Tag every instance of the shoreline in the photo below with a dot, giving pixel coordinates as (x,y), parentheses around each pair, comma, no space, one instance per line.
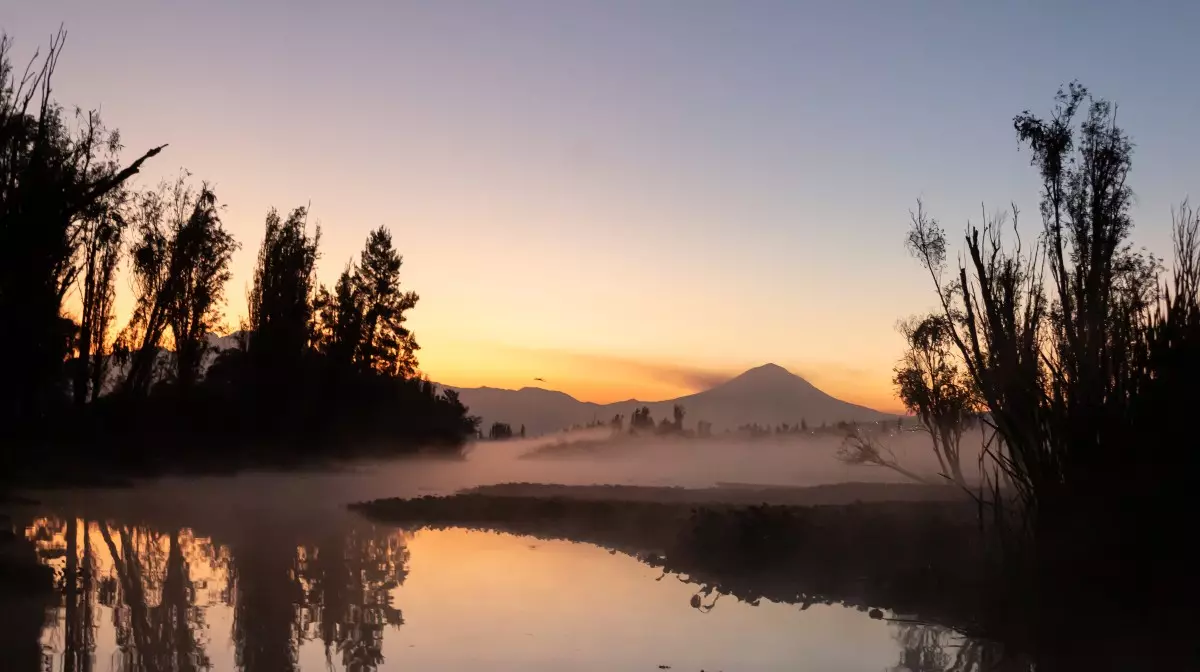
(913,557)
(726,493)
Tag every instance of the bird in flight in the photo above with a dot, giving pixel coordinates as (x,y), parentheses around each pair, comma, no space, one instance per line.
(542,380)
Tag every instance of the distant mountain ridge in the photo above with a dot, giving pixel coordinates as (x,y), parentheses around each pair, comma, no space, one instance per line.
(767,395)
(116,371)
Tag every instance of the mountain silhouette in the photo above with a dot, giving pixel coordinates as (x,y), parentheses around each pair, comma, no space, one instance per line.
(767,395)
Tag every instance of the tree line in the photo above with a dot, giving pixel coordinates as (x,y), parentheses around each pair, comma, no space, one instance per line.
(311,361)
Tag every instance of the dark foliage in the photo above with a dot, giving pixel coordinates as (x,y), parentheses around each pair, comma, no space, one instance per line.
(641,421)
(500,431)
(180,267)
(385,345)
(279,330)
(317,374)
(101,246)
(55,174)
(935,389)
(1086,361)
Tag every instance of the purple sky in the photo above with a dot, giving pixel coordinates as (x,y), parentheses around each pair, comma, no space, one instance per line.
(622,197)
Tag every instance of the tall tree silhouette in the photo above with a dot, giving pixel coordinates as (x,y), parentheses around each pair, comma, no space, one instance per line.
(101,234)
(279,331)
(200,268)
(280,302)
(50,176)
(150,278)
(386,346)
(340,319)
(180,267)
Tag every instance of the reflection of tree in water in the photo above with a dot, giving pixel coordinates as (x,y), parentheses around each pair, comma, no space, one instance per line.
(338,591)
(148,588)
(934,648)
(150,635)
(347,583)
(264,593)
(78,594)
(57,539)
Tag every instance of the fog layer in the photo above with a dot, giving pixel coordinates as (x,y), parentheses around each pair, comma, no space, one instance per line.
(308,497)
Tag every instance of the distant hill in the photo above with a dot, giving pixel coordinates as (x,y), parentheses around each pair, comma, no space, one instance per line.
(163,361)
(768,395)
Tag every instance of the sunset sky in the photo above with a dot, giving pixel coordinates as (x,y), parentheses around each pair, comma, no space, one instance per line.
(628,198)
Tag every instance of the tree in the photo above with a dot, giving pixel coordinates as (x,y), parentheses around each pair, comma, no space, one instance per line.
(522,431)
(679,413)
(641,420)
(101,234)
(500,431)
(1083,358)
(344,359)
(340,320)
(280,302)
(51,178)
(386,346)
(180,267)
(142,337)
(200,260)
(803,425)
(934,388)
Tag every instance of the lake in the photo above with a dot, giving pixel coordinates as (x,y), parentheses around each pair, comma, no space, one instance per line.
(271,572)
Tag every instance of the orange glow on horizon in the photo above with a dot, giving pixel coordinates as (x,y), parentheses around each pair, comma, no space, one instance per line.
(602,379)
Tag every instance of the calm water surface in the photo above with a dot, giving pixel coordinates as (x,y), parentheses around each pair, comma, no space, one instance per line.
(270,572)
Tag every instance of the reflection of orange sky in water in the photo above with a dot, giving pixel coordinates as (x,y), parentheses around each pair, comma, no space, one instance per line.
(476,600)
(547,603)
(207,563)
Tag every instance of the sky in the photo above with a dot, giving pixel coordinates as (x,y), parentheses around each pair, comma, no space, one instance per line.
(629,198)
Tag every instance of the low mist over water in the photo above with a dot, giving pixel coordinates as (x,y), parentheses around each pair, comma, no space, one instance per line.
(585,458)
(253,553)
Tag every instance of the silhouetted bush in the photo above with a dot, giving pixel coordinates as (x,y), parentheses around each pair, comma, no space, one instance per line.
(1086,358)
